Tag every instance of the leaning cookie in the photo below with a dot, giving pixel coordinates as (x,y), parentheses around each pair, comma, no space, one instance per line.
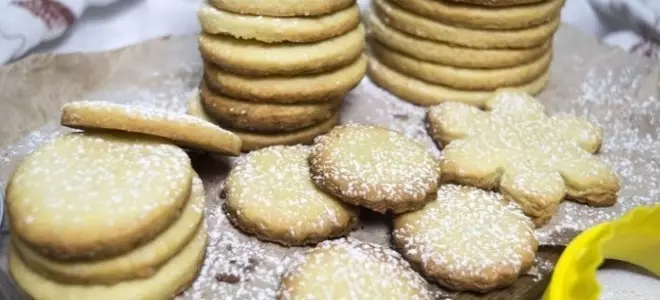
(374,167)
(467,239)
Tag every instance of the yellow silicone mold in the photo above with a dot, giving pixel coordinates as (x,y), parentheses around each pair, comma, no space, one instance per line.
(635,238)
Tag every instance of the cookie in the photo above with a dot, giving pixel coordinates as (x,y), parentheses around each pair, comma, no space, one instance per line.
(254,58)
(288,90)
(265,117)
(351,269)
(283,8)
(96,195)
(275,29)
(179,128)
(533,159)
(396,17)
(173,277)
(461,78)
(471,16)
(467,240)
(426,94)
(450,55)
(374,167)
(269,194)
(497,3)
(142,262)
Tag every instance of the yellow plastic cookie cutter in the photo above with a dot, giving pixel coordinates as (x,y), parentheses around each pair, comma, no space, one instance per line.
(634,238)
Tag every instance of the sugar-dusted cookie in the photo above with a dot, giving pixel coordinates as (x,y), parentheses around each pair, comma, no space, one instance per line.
(533,159)
(265,117)
(95,195)
(179,128)
(351,269)
(269,193)
(283,8)
(423,93)
(276,29)
(462,78)
(141,262)
(447,54)
(422,27)
(496,3)
(321,87)
(467,240)
(374,167)
(173,277)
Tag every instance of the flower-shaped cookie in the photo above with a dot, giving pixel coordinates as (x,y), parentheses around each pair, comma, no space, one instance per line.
(533,159)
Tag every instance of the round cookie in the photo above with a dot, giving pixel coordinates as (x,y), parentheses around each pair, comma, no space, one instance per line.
(269,194)
(95,195)
(141,262)
(254,58)
(461,78)
(496,3)
(288,90)
(426,94)
(447,54)
(467,240)
(374,167)
(179,128)
(416,25)
(471,16)
(265,117)
(351,269)
(274,29)
(173,277)
(283,8)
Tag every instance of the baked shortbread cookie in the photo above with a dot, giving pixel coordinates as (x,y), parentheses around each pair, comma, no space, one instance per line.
(533,159)
(173,277)
(283,8)
(496,3)
(141,262)
(374,167)
(179,128)
(467,239)
(351,269)
(269,194)
(276,29)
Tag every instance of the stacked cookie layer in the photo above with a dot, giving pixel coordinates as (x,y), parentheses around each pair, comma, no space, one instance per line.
(277,74)
(431,51)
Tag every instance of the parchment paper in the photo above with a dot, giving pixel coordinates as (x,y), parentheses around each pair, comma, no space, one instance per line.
(608,86)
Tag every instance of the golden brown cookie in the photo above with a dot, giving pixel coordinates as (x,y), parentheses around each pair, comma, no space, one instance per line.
(254,58)
(179,128)
(461,78)
(275,29)
(426,94)
(374,167)
(497,3)
(288,90)
(396,17)
(283,8)
(467,239)
(265,117)
(533,159)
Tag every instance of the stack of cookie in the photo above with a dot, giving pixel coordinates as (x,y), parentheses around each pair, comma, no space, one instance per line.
(431,51)
(276,72)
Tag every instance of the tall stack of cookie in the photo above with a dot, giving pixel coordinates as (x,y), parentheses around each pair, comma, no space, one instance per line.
(276,72)
(431,51)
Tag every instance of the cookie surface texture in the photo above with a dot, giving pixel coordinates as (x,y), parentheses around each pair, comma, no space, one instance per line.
(179,128)
(533,159)
(141,262)
(416,25)
(283,8)
(173,277)
(351,269)
(288,90)
(467,239)
(254,58)
(422,93)
(269,193)
(497,3)
(94,195)
(275,29)
(374,167)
